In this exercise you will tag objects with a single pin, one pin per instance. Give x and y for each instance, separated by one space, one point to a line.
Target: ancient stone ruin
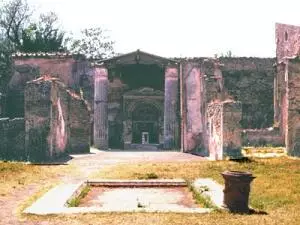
146 102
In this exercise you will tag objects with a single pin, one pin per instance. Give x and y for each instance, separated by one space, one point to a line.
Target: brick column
100 108
170 107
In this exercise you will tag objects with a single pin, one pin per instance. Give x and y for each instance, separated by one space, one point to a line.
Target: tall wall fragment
52 129
46 119
192 106
223 129
292 127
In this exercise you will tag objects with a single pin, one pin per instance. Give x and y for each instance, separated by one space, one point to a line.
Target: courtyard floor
275 192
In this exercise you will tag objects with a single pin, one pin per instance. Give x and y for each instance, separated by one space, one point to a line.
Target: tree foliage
14 15
5 64
93 43
44 36
25 35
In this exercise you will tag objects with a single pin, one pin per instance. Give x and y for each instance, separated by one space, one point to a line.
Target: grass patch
200 199
146 176
266 149
276 190
277 183
14 175
74 202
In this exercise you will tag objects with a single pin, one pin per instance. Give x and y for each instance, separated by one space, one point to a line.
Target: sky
180 28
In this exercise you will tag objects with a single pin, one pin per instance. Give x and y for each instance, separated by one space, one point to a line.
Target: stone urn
236 191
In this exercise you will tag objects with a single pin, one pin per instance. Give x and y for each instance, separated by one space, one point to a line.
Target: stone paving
89 163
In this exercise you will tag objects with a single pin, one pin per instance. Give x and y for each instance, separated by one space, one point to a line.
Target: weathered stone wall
232 142
4 126
16 88
223 130
214 130
67 68
80 124
45 120
74 73
2 105
287 41
292 133
248 80
12 137
116 89
262 137
57 120
287 46
193 106
251 81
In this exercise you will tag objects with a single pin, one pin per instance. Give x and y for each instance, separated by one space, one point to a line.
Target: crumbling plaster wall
74 73
67 69
56 120
46 119
287 41
193 106
287 46
247 80
292 134
80 124
223 129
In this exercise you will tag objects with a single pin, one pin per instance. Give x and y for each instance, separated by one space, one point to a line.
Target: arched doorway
145 124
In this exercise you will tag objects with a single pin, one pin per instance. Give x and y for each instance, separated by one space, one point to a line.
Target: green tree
93 43
14 16
5 64
43 36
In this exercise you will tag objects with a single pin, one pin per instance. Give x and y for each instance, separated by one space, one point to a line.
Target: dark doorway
145 124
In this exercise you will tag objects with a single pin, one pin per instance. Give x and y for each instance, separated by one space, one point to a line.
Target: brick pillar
170 107
100 108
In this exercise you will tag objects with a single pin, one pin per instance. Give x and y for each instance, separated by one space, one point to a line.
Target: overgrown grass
277 182
146 176
74 202
200 199
276 190
14 176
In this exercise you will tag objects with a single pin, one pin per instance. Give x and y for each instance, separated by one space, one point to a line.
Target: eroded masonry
138 100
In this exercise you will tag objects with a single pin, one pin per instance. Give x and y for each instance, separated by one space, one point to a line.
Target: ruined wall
16 88
293 105
73 72
287 41
287 46
12 138
223 130
214 130
46 119
66 68
116 89
248 80
251 81
262 137
4 125
232 142
80 124
2 105
193 106
56 119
